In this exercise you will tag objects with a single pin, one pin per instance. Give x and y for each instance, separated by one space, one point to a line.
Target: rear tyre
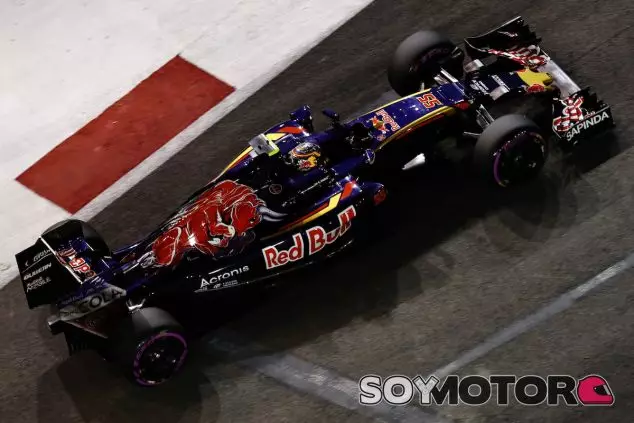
150 346
418 59
510 151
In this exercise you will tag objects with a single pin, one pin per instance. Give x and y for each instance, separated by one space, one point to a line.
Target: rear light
379 196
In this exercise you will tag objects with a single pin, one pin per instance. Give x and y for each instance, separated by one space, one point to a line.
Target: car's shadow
367 282
370 280
100 393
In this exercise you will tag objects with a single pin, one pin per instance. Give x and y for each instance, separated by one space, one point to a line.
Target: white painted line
561 303
314 380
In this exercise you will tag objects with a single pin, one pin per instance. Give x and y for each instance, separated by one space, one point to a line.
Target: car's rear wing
45 277
577 113
62 267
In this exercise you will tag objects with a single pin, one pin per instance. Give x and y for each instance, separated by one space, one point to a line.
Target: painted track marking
521 326
326 384
316 381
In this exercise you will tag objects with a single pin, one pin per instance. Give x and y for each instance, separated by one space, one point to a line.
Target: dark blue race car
296 196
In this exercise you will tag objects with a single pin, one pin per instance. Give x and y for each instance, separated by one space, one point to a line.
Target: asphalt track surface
451 265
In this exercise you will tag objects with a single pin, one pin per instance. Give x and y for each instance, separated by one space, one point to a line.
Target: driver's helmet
305 156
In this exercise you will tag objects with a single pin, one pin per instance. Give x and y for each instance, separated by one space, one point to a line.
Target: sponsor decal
570 114
67 252
36 271
228 284
92 303
429 101
499 80
483 87
221 275
95 285
589 122
479 86
275 189
531 56
378 124
275 258
41 281
316 239
383 120
475 390
39 256
218 223
77 264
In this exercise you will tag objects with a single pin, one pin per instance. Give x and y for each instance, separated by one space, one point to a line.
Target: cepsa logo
478 390
317 237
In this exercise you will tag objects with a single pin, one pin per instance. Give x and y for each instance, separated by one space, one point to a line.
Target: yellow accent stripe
275 136
332 203
531 77
237 159
275 150
406 129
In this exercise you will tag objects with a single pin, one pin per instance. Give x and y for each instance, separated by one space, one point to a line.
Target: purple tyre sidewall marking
535 137
496 174
144 346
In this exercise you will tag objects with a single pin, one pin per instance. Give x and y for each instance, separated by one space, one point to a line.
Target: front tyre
150 346
510 151
419 58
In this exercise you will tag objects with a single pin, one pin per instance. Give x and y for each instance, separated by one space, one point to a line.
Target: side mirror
334 116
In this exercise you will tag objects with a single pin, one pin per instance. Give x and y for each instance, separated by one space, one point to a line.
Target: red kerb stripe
125 134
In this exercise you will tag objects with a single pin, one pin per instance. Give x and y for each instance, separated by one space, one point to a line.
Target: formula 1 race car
296 196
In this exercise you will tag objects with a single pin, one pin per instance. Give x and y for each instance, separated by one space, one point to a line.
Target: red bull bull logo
218 222
384 122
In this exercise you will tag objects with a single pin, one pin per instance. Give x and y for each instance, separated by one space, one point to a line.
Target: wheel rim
519 158
158 358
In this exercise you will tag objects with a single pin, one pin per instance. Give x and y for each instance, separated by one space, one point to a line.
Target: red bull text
317 238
